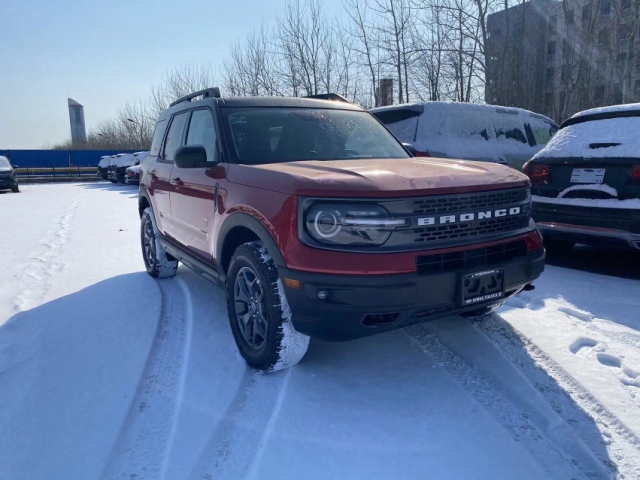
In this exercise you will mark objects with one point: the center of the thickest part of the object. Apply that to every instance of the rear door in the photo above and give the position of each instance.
(160, 174)
(193, 196)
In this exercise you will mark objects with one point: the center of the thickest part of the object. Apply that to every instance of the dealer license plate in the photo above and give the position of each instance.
(587, 175)
(482, 286)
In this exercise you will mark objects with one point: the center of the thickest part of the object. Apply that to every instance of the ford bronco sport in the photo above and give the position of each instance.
(319, 223)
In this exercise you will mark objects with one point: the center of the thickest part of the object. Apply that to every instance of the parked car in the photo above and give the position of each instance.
(319, 223)
(103, 166)
(8, 177)
(506, 135)
(132, 175)
(119, 166)
(586, 181)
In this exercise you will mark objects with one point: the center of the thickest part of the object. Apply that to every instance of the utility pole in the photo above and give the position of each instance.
(141, 132)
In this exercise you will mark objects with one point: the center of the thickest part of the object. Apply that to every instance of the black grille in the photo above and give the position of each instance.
(476, 201)
(463, 230)
(476, 258)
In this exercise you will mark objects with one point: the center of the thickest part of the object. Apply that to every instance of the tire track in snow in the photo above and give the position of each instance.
(235, 447)
(35, 278)
(505, 393)
(619, 438)
(142, 448)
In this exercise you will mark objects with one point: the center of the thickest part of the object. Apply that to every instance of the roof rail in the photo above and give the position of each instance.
(329, 96)
(213, 92)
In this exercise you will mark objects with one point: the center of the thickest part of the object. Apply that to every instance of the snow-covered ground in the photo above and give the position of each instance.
(107, 373)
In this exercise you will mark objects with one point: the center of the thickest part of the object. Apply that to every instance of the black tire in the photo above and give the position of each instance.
(263, 330)
(157, 261)
(15, 188)
(113, 181)
(555, 246)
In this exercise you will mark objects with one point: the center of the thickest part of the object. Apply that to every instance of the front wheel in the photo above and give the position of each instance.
(259, 313)
(157, 261)
(15, 188)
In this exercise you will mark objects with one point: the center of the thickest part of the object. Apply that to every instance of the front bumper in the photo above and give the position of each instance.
(8, 182)
(608, 227)
(359, 306)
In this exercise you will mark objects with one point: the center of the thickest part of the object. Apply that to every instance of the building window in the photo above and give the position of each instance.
(568, 17)
(598, 95)
(553, 21)
(586, 15)
(623, 32)
(603, 38)
(550, 73)
(617, 93)
(551, 50)
(605, 8)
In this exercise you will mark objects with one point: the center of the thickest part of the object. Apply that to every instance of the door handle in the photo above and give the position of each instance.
(177, 182)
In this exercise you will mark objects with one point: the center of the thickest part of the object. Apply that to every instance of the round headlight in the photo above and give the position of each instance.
(326, 224)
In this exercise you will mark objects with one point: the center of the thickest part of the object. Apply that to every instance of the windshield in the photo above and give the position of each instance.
(4, 163)
(274, 135)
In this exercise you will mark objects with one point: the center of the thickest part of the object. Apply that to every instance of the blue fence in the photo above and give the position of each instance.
(58, 158)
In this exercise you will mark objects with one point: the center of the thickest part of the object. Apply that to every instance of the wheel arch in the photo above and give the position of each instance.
(240, 228)
(143, 202)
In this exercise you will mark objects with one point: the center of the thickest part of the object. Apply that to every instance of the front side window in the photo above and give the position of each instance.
(174, 137)
(274, 135)
(202, 132)
(4, 163)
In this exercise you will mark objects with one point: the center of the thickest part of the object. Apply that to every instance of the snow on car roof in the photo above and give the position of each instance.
(596, 138)
(419, 106)
(610, 109)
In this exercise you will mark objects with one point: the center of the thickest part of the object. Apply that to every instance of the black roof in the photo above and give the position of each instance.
(293, 102)
(589, 117)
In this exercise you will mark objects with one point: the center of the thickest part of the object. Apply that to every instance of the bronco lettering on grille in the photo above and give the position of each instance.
(469, 217)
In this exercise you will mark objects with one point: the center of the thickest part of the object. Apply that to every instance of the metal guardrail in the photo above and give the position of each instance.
(53, 172)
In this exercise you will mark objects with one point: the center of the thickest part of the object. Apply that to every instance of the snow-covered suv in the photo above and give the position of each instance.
(319, 223)
(586, 182)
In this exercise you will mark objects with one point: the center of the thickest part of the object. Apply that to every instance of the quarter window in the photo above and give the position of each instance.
(174, 137)
(157, 138)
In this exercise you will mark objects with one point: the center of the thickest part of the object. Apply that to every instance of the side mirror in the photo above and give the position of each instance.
(16, 166)
(410, 148)
(191, 156)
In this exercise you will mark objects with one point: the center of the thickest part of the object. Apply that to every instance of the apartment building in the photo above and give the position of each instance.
(559, 57)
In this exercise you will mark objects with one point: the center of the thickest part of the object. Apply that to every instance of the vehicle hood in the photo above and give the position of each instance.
(377, 178)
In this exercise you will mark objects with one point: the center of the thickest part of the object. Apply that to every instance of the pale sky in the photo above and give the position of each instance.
(104, 53)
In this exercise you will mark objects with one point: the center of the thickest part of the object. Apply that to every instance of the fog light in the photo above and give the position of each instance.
(323, 294)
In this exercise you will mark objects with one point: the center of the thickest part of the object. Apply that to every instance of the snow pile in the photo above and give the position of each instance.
(631, 204)
(104, 161)
(574, 141)
(123, 160)
(599, 187)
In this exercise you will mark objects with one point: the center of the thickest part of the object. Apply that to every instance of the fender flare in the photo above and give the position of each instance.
(241, 219)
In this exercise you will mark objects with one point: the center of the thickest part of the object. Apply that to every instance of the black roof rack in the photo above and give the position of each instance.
(329, 96)
(213, 92)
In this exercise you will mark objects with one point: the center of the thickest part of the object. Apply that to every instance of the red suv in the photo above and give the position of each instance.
(319, 223)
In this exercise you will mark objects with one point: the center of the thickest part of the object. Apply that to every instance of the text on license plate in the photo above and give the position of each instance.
(587, 175)
(482, 286)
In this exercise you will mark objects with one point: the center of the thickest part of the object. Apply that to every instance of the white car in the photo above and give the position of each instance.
(469, 131)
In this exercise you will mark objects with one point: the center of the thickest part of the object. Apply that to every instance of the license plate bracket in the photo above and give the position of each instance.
(478, 287)
(587, 175)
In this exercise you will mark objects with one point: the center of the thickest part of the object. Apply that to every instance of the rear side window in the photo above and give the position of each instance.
(174, 137)
(403, 123)
(157, 138)
(202, 132)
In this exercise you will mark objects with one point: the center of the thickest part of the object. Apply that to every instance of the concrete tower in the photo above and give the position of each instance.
(78, 130)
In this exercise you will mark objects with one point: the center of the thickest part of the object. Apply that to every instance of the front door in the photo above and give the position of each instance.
(193, 196)
(161, 174)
